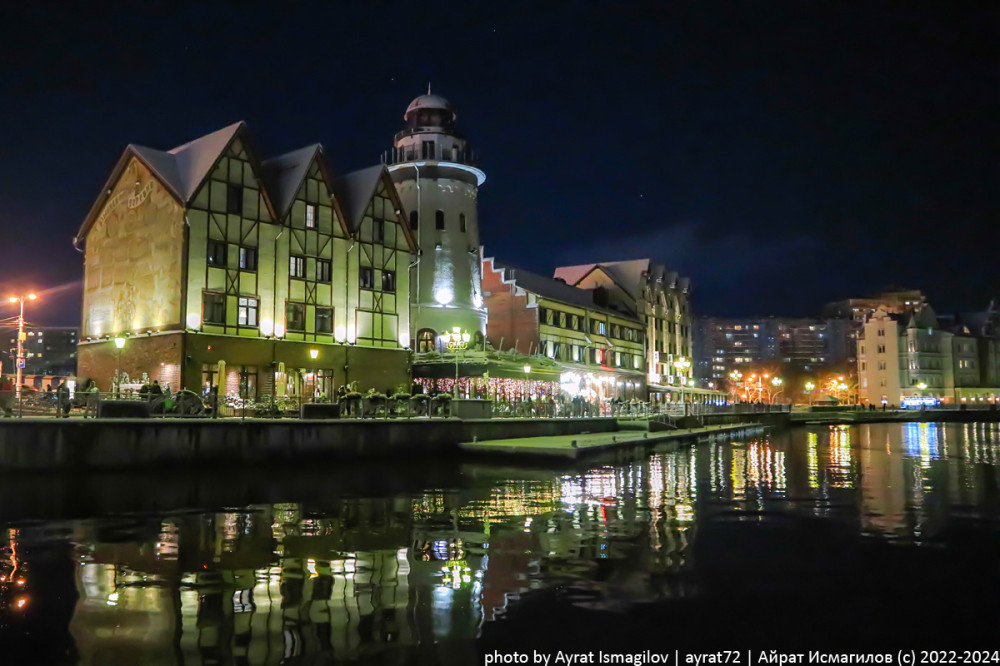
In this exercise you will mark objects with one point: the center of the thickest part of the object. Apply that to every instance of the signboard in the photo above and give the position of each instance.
(20, 363)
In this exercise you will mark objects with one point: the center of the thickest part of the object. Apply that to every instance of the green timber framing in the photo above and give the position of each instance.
(275, 273)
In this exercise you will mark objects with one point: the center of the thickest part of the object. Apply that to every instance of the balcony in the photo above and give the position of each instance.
(415, 153)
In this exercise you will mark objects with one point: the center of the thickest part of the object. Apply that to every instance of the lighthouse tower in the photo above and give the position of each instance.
(438, 183)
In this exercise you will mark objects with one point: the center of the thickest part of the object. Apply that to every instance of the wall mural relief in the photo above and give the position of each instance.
(134, 253)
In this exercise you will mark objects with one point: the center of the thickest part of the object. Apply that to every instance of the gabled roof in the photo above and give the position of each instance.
(284, 175)
(631, 274)
(163, 166)
(923, 318)
(195, 159)
(554, 289)
(355, 190)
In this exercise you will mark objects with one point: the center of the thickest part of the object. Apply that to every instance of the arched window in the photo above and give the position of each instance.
(439, 219)
(414, 218)
(426, 340)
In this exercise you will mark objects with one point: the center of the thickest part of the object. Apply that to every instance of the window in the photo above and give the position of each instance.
(297, 266)
(425, 340)
(881, 349)
(234, 199)
(324, 320)
(461, 222)
(575, 323)
(881, 365)
(428, 150)
(295, 316)
(214, 308)
(414, 219)
(310, 216)
(562, 320)
(881, 333)
(248, 258)
(366, 277)
(439, 220)
(601, 328)
(378, 231)
(217, 253)
(324, 270)
(389, 281)
(550, 317)
(247, 312)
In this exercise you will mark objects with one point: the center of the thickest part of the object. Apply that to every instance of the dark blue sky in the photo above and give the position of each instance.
(782, 154)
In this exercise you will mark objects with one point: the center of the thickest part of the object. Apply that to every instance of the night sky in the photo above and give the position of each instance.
(781, 154)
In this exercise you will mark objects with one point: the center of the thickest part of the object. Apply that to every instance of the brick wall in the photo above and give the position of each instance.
(158, 355)
(510, 319)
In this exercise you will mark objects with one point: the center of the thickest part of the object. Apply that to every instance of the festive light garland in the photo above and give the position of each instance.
(495, 388)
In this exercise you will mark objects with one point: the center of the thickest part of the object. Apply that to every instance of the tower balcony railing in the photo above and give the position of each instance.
(416, 153)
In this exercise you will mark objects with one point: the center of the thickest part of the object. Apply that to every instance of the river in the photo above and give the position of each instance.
(873, 537)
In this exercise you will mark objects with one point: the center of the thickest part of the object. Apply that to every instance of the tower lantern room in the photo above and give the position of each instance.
(438, 182)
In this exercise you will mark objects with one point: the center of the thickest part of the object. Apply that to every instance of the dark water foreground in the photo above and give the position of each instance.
(882, 536)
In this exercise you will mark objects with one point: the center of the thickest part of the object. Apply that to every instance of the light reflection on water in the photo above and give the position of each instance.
(357, 577)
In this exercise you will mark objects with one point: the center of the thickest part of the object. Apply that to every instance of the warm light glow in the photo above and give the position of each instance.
(810, 386)
(194, 320)
(266, 327)
(404, 339)
(340, 333)
(527, 368)
(120, 342)
(443, 296)
(12, 299)
(922, 386)
(279, 330)
(32, 297)
(352, 334)
(314, 354)
(22, 602)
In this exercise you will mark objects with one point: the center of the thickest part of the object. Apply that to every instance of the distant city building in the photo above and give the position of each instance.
(917, 359)
(726, 344)
(48, 350)
(255, 276)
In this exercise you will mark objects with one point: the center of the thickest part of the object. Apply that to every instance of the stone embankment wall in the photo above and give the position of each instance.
(145, 443)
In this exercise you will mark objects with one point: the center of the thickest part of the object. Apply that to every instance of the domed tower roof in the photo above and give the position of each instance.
(430, 101)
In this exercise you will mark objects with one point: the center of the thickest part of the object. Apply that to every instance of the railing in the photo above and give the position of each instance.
(416, 153)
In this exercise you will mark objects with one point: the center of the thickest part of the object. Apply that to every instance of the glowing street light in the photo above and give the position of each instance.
(314, 354)
(20, 345)
(119, 344)
(682, 364)
(456, 340)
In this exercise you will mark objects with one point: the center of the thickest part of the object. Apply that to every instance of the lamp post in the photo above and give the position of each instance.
(19, 363)
(735, 376)
(456, 340)
(809, 387)
(682, 364)
(776, 383)
(119, 344)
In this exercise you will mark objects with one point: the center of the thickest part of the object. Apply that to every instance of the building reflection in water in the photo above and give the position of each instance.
(358, 577)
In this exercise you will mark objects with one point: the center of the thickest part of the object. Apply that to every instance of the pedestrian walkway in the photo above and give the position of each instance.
(576, 446)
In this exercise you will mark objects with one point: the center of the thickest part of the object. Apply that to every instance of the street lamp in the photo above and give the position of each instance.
(20, 344)
(119, 344)
(809, 387)
(682, 364)
(456, 340)
(776, 383)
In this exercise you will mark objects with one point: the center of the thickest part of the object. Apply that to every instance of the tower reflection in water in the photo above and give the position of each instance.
(359, 577)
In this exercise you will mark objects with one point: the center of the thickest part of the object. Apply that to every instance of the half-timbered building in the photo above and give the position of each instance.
(256, 276)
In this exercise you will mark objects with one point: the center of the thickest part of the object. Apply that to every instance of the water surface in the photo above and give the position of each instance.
(877, 536)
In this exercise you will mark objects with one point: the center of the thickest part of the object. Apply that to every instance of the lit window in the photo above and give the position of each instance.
(310, 216)
(297, 267)
(248, 311)
(389, 281)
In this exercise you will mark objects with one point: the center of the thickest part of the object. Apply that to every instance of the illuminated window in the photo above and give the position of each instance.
(248, 311)
(310, 216)
(297, 267)
(425, 340)
(324, 320)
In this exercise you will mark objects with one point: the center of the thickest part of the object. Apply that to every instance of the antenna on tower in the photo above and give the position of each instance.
(428, 87)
